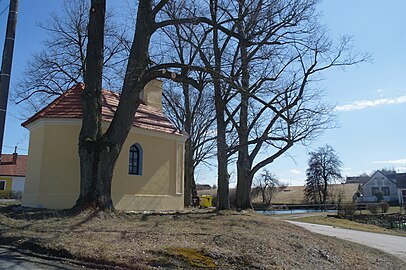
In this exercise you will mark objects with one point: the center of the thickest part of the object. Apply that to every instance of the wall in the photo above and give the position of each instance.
(52, 179)
(18, 184)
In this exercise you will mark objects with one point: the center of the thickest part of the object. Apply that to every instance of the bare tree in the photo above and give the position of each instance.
(266, 185)
(280, 50)
(191, 109)
(213, 43)
(62, 62)
(324, 169)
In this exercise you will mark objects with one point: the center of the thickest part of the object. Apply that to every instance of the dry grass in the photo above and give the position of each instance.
(194, 240)
(295, 194)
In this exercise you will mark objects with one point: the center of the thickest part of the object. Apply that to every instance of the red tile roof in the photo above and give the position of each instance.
(69, 105)
(7, 168)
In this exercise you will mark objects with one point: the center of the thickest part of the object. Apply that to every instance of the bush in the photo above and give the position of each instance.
(379, 196)
(373, 207)
(347, 210)
(7, 194)
(384, 207)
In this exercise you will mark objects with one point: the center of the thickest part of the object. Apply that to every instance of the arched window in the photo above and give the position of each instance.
(135, 160)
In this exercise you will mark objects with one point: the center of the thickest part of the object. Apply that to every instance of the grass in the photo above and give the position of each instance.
(347, 224)
(195, 258)
(194, 239)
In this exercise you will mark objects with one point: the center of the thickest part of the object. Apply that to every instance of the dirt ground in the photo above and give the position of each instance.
(189, 240)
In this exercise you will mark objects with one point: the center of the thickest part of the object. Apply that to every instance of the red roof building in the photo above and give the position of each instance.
(148, 174)
(13, 165)
(12, 173)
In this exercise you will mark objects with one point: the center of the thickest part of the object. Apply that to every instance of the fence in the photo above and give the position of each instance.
(390, 221)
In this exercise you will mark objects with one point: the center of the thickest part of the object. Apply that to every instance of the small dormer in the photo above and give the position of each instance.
(152, 94)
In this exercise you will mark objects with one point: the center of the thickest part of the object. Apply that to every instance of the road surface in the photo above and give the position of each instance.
(13, 260)
(395, 245)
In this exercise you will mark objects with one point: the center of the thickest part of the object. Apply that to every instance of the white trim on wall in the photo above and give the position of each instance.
(69, 121)
(180, 155)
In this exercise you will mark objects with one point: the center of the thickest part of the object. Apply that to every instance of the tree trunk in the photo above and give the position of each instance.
(325, 190)
(90, 185)
(244, 178)
(189, 171)
(223, 201)
(188, 177)
(99, 153)
(263, 194)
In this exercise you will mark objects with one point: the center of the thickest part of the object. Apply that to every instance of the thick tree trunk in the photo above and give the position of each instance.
(188, 173)
(90, 185)
(244, 177)
(223, 200)
(99, 153)
(189, 170)
(244, 181)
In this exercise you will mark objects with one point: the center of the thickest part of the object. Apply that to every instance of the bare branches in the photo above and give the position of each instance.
(61, 63)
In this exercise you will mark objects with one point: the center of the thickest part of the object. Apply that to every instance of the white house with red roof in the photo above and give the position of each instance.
(149, 170)
(12, 172)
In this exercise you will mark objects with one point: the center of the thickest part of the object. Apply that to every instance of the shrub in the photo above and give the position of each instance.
(7, 194)
(373, 207)
(347, 210)
(379, 196)
(384, 207)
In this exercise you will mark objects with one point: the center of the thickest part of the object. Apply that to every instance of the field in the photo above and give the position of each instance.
(295, 194)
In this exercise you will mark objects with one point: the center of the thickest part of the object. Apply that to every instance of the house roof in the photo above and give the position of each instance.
(386, 176)
(69, 106)
(401, 180)
(356, 179)
(7, 168)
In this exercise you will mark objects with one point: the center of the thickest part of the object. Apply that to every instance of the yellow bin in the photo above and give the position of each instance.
(205, 200)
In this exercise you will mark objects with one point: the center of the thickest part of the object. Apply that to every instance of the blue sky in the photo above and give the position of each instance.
(370, 97)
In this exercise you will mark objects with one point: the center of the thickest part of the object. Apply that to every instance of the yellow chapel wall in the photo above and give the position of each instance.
(53, 170)
(34, 167)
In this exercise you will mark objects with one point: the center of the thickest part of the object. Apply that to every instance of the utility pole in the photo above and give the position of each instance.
(6, 66)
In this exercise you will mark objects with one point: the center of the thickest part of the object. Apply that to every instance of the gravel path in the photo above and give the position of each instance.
(395, 245)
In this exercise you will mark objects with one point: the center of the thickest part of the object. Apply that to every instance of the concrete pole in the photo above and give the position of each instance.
(6, 66)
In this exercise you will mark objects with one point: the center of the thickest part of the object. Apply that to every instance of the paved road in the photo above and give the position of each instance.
(12, 260)
(395, 245)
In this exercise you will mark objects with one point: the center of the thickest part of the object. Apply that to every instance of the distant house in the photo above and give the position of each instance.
(203, 187)
(379, 182)
(356, 179)
(12, 172)
(401, 186)
(149, 170)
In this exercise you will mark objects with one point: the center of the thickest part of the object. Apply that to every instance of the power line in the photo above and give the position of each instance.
(4, 10)
(12, 147)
